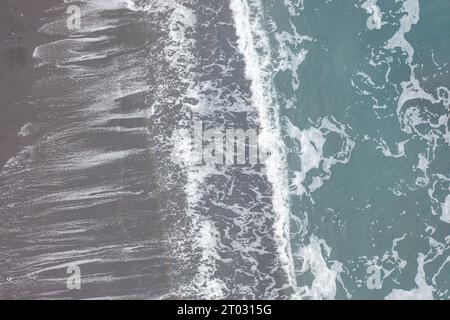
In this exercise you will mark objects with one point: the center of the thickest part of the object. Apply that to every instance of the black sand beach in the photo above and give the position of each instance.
(80, 189)
(19, 24)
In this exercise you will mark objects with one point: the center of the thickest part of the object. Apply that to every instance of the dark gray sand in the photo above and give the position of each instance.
(19, 22)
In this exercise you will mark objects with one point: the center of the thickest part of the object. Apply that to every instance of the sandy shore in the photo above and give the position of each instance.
(85, 189)
(19, 22)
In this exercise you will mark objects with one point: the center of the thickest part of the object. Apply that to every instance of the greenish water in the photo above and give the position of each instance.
(363, 89)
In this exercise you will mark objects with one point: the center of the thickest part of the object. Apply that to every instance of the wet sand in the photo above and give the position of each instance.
(95, 184)
(78, 193)
(19, 23)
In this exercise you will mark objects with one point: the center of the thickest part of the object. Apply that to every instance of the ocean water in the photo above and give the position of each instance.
(350, 100)
(363, 92)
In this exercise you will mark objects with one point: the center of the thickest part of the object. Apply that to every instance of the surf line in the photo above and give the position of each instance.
(254, 45)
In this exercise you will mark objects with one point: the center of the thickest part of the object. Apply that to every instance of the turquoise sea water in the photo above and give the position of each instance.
(363, 91)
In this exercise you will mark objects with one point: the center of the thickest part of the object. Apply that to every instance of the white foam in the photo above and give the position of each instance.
(446, 210)
(56, 52)
(254, 45)
(209, 286)
(179, 54)
(424, 163)
(88, 159)
(324, 283)
(115, 4)
(134, 5)
(90, 19)
(311, 153)
(388, 153)
(26, 130)
(412, 10)
(289, 57)
(416, 120)
(423, 290)
(412, 89)
(294, 6)
(24, 155)
(375, 20)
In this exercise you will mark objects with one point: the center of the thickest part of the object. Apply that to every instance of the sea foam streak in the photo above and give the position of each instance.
(227, 231)
(87, 160)
(178, 49)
